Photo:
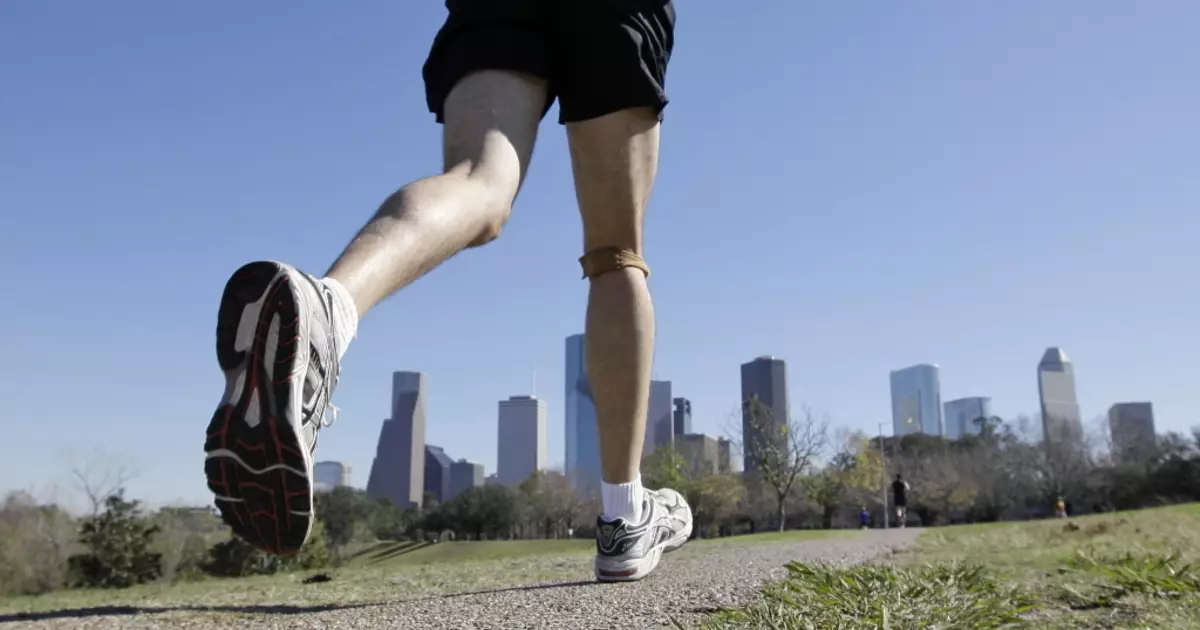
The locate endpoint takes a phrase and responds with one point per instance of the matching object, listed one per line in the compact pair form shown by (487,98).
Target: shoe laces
(330,415)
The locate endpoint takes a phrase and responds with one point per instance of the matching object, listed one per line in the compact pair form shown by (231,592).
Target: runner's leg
(612,94)
(281,333)
(491,119)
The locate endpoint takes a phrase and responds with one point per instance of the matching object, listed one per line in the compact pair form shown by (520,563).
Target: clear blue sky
(852,186)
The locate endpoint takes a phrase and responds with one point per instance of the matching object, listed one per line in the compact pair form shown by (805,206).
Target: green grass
(1126,570)
(380,572)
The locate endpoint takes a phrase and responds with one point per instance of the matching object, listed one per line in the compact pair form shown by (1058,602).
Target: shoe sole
(634,570)
(257,465)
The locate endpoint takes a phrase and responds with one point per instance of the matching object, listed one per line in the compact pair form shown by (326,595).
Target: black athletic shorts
(598,56)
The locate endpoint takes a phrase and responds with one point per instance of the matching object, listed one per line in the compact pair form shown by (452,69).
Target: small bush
(118,543)
(238,558)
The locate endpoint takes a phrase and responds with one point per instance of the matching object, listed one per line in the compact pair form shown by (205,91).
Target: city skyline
(764,377)
(973,250)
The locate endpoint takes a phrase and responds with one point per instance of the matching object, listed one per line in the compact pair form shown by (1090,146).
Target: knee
(491,228)
(499,210)
(493,185)
(495,194)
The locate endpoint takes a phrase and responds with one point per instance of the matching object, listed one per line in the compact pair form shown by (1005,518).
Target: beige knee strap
(606,259)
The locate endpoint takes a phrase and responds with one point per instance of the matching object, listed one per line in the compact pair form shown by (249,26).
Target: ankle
(622,500)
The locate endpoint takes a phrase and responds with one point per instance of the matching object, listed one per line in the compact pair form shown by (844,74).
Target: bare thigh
(491,125)
(615,160)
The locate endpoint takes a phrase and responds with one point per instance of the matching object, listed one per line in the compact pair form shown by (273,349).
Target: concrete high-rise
(964,416)
(917,400)
(1131,425)
(437,473)
(464,475)
(582,432)
(764,378)
(682,418)
(1061,420)
(724,456)
(521,442)
(398,471)
(659,417)
(330,475)
(703,455)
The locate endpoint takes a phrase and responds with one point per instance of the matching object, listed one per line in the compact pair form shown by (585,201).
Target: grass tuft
(1127,570)
(821,597)
(1107,582)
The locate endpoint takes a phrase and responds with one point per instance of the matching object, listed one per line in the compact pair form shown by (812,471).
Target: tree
(941,487)
(36,542)
(666,468)
(118,541)
(342,511)
(853,474)
(714,500)
(99,476)
(779,451)
(181,540)
(480,511)
(548,503)
(387,521)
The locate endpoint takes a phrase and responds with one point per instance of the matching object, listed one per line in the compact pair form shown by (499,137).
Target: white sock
(345,315)
(622,500)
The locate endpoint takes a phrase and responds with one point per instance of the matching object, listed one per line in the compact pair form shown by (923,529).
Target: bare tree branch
(99,476)
(778,451)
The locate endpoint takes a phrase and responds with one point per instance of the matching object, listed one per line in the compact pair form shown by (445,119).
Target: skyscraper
(398,471)
(582,434)
(961,416)
(1061,420)
(330,475)
(917,400)
(682,418)
(659,417)
(764,378)
(724,456)
(437,473)
(1131,425)
(522,439)
(464,475)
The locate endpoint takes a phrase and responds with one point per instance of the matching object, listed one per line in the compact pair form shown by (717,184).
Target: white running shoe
(626,552)
(276,346)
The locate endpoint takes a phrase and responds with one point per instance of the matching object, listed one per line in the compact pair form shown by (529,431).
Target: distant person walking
(864,518)
(900,489)
(494,69)
(1060,508)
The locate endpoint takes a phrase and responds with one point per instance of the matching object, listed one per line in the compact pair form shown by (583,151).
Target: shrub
(238,558)
(118,543)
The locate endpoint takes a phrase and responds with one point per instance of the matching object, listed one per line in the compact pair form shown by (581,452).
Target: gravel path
(690,583)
